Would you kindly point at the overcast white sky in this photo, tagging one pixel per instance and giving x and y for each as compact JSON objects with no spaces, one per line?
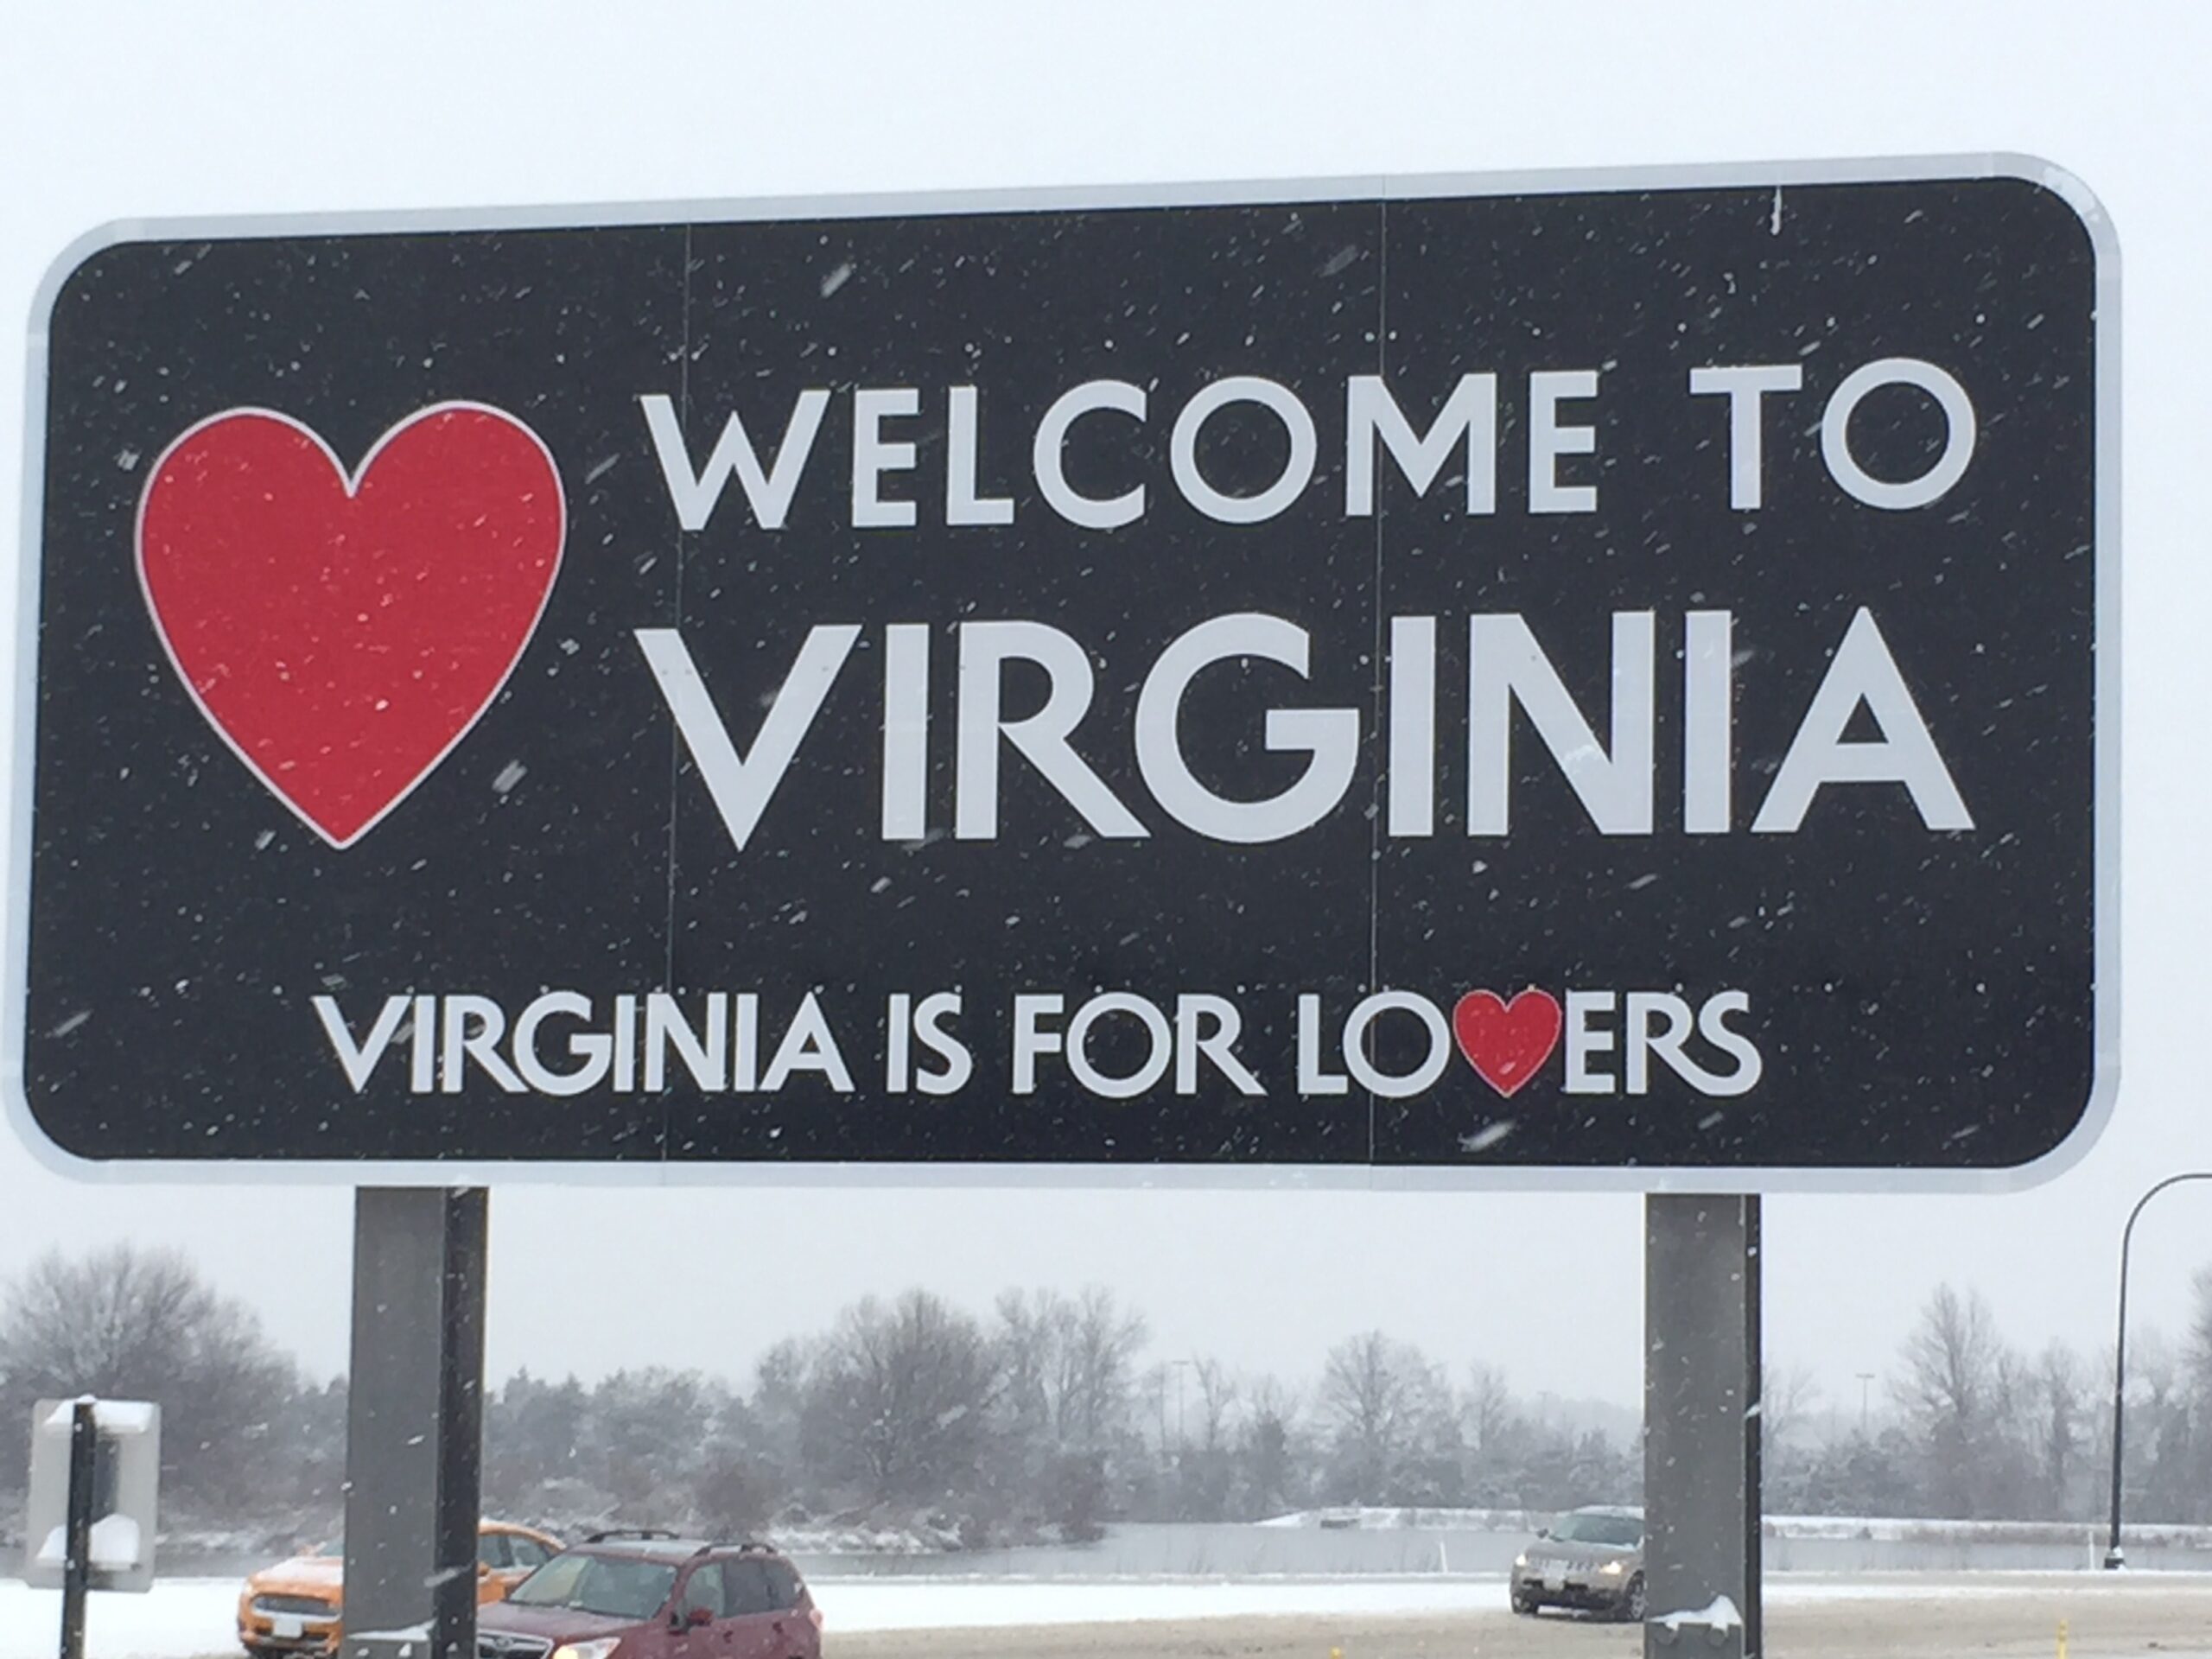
{"x":110,"y":111}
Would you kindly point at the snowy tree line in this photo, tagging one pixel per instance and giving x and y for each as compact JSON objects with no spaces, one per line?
{"x":1051,"y":1415}
{"x":1977,"y":1429}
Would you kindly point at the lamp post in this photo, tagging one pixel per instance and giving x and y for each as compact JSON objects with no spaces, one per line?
{"x":2115,"y":1556}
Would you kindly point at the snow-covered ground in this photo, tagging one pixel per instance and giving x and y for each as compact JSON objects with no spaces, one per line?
{"x":185,"y":1618}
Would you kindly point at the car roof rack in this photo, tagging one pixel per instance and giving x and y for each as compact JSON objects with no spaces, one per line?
{"x":607,"y":1535}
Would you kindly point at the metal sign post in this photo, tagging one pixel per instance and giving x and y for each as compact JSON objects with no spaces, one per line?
{"x":414,"y":1423}
{"x":1754,"y":1429}
{"x":77,"y":1569}
{"x":90,"y":1512}
{"x":1701,"y":1427}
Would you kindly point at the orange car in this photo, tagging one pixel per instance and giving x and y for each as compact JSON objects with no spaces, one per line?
{"x":293,"y":1607}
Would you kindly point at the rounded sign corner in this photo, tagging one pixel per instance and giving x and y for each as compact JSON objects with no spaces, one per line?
{"x":2078,"y":1141}
{"x":33,"y":1135}
{"x":72,"y":262}
{"x":2075,"y":192}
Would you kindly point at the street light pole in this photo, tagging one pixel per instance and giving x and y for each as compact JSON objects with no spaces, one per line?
{"x":2115,"y":1556}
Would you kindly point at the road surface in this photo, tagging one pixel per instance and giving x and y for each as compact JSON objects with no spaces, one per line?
{"x":1989,"y":1617}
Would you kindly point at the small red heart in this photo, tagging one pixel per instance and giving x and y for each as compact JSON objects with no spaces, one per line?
{"x":1507,"y":1043}
{"x":342,"y":634}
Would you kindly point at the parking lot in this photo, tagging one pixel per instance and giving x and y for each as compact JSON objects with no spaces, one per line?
{"x":1918,"y":1615}
{"x":1900,"y":1618}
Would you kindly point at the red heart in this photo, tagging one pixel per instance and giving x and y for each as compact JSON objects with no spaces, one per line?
{"x":342,"y":634}
{"x":1507,"y":1043}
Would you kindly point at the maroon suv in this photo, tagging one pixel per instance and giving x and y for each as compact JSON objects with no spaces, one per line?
{"x":647,"y":1595}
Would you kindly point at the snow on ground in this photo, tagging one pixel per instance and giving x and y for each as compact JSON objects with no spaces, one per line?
{"x":183,"y":1618}
{"x":179,"y":1618}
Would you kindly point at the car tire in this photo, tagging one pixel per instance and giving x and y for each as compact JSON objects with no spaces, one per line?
{"x":1634,"y":1601}
{"x":1527,"y":1606}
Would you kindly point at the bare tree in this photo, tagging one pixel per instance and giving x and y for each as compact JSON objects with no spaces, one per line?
{"x":1488,"y":1410}
{"x":1219,"y":1393}
{"x":137,"y":1324}
{"x":1271,"y":1457}
{"x":2200,"y":1338}
{"x":2062,"y":1387}
{"x":1952,"y":1394}
{"x":1026,"y":1336}
{"x":775,"y":1417}
{"x":1204,"y":1465}
{"x":2159,"y":1440}
{"x":1382,"y":1399}
{"x":1786,"y":1400}
{"x":1098,"y":1343}
{"x":1496,"y":1435}
{"x":898,"y":1397}
{"x":1070,"y":1366}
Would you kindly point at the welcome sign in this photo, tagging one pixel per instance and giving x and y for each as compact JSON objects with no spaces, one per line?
{"x":1592,"y":680}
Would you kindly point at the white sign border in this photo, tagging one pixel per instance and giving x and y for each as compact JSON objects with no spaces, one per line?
{"x":1780,"y":176}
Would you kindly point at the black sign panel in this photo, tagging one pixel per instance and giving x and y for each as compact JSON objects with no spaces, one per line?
{"x":1593,"y":681}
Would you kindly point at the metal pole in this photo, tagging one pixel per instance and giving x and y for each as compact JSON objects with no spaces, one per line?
{"x":414,"y":1425}
{"x":2116,"y":1557}
{"x":1701,"y":1427}
{"x":1754,"y":1433}
{"x":77,"y":1562}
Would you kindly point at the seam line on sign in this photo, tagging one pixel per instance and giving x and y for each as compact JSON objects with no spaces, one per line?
{"x":674,"y":737}
{"x":1377,"y":693}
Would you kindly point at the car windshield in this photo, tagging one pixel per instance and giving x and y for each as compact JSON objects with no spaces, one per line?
{"x":620,"y":1586}
{"x":1622,"y":1531}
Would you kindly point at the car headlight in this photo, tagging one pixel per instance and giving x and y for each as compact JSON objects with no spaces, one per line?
{"x":602,"y":1648}
{"x":1520,"y":1560}
{"x":1614,"y":1569}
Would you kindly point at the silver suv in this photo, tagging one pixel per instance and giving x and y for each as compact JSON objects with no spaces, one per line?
{"x":1591,"y":1558}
